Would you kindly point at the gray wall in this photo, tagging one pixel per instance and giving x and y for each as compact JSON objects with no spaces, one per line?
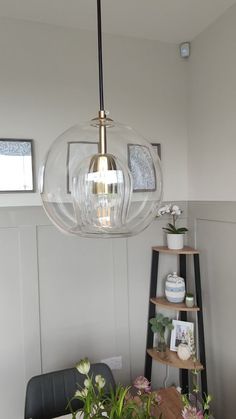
{"x":63,"y":298}
{"x":49,"y":82}
{"x":214,"y":224}
{"x":211,"y":112}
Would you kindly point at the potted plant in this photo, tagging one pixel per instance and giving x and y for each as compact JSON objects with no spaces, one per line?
{"x":175,"y":236}
{"x":159,"y":325}
{"x":189,"y":299}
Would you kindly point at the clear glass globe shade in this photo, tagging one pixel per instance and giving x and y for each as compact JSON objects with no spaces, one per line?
{"x":74,"y":196}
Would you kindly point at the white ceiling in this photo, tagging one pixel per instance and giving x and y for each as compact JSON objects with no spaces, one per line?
{"x":165,"y":20}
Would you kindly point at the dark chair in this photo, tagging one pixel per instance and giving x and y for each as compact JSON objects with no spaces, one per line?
{"x":47,"y":395}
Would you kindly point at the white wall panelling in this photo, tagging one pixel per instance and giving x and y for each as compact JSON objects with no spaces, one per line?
{"x":12,"y":360}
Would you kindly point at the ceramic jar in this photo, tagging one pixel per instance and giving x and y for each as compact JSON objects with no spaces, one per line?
{"x":174,"y":288}
{"x":175,"y":241}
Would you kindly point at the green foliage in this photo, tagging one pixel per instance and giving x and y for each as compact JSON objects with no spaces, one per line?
{"x":196,"y":401}
{"x":173,"y":230}
{"x":160,"y":324}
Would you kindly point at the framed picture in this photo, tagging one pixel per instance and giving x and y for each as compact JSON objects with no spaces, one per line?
{"x":180,"y":334}
{"x":157,"y":148}
{"x":141,"y":167}
{"x":16,"y":165}
{"x":81,"y":150}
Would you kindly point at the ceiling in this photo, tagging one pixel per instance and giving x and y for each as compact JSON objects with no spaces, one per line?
{"x":165,"y":20}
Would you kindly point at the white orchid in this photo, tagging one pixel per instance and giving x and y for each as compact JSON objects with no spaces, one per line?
{"x":170,"y":209}
{"x":164,"y":210}
{"x":175,"y":212}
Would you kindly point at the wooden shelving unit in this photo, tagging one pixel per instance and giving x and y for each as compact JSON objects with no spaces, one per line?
{"x":170,"y":357}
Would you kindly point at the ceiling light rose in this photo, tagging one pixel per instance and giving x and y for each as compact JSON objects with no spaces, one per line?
{"x":99,"y":195}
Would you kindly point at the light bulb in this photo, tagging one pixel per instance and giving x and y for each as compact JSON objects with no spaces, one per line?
{"x":101,"y":193}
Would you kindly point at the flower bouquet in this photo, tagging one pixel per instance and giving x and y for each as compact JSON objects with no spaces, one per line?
{"x":121,"y":402}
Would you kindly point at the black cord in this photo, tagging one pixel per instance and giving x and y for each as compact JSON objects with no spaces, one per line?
{"x":100,"y":65}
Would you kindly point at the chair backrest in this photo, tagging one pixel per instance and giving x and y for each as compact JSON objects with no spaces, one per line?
{"x":47,"y":395}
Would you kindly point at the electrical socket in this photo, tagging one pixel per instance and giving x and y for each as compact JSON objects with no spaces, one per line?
{"x":115,"y":362}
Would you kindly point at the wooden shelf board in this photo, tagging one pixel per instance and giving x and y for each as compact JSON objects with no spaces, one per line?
{"x":162,"y":301}
{"x":171,"y":358}
{"x":185,"y":251}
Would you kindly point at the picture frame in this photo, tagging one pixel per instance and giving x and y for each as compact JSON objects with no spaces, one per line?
{"x":180,"y":333}
{"x":16,"y":165}
{"x":82,"y":149}
{"x":141,"y":166}
{"x":157,"y":148}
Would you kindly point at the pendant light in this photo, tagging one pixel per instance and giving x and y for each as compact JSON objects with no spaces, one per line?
{"x":101,"y":179}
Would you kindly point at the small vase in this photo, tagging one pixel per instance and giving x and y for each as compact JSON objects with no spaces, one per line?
{"x":161,"y":345}
{"x":189,"y":301}
{"x":175,"y":241}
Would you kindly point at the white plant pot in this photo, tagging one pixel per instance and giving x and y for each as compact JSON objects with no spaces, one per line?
{"x":175,"y":241}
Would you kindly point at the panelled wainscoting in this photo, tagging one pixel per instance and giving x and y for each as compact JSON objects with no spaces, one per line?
{"x":214,"y":227}
{"x":63,"y":298}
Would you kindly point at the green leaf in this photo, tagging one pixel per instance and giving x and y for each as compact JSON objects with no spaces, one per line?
{"x":181,"y":230}
{"x":168,"y":230}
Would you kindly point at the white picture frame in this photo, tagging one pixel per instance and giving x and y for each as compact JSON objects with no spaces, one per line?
{"x":180,"y":333}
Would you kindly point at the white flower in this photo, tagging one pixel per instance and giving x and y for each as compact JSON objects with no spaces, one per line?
{"x":175,"y":210}
{"x":81,"y":393}
{"x":86,"y":383}
{"x":164,"y":210}
{"x":83,"y":366}
{"x":100,"y":381}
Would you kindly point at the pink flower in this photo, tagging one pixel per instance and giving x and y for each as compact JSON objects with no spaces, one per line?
{"x":142,"y":384}
{"x":191,"y":412}
{"x":158,"y":399}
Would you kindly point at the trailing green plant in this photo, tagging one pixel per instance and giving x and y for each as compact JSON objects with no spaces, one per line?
{"x":175,"y":212}
{"x":195,"y":407}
